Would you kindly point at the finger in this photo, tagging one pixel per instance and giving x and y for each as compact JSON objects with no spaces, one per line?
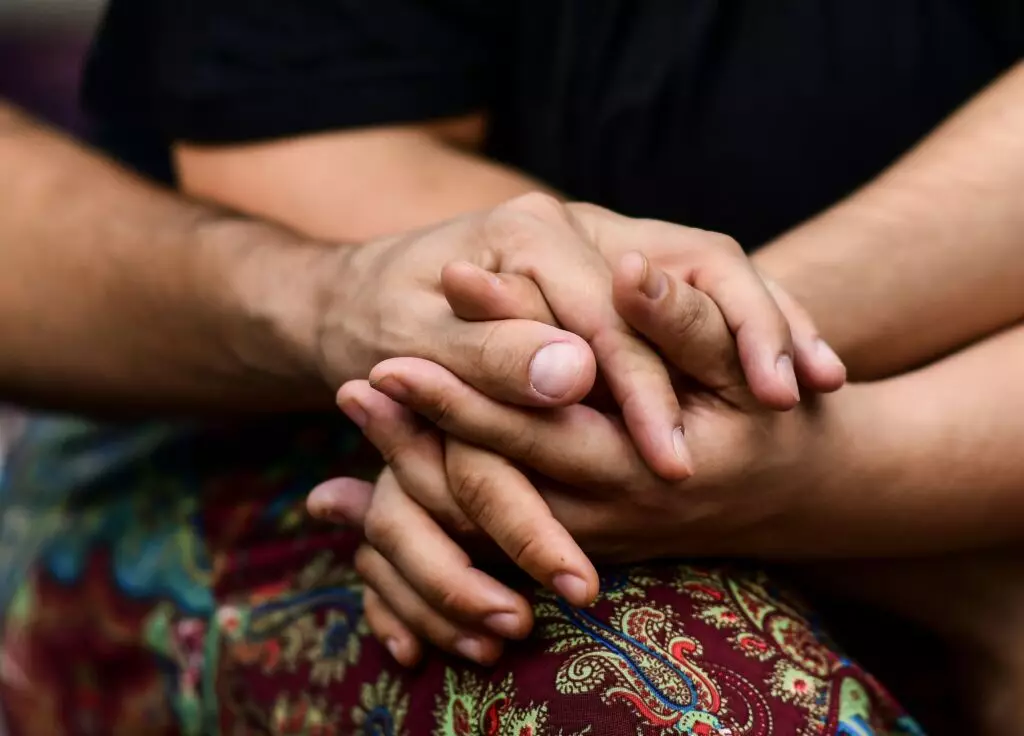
{"x":389,"y":630}
{"x":437,"y":568}
{"x":409,"y":607}
{"x":519,"y":361}
{"x":717,"y":266}
{"x":534,"y":236}
{"x":341,"y":501}
{"x":684,"y":323}
{"x":817,"y":365}
{"x":414,"y":453}
{"x":601,"y":455}
{"x":476,"y":294}
{"x":502,"y":502}
{"x":762,"y":333}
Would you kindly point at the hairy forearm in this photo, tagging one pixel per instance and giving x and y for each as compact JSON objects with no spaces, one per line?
{"x":927,"y":258}
{"x":929,"y":461}
{"x":117,"y":296}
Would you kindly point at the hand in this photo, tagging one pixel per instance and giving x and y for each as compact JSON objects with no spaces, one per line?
{"x":415,"y":456}
{"x":393,"y":305}
{"x":420,"y":582}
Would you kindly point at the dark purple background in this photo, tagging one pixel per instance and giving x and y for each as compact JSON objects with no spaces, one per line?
{"x":42,"y":43}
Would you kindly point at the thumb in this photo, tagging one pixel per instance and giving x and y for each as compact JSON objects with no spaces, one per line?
{"x":340,"y":500}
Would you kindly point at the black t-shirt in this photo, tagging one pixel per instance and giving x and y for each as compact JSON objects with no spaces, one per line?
{"x":744,"y":116}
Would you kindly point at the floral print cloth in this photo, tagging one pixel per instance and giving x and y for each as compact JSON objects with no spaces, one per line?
{"x":163,"y":579}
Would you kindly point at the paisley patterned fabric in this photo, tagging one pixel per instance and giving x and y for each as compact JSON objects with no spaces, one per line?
{"x":163,"y":580}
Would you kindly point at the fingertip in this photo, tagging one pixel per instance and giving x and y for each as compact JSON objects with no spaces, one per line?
{"x":579,"y":588}
{"x":769,"y":369}
{"x":510,"y":625}
{"x":403,"y":646}
{"x":773,"y":393}
{"x":823,"y":380}
{"x":660,"y":440}
{"x":351,"y":389}
{"x":484,"y":650}
{"x":820,"y":368}
{"x":340,"y":500}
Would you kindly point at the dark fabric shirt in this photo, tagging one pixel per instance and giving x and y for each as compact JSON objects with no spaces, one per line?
{"x":744,"y":116}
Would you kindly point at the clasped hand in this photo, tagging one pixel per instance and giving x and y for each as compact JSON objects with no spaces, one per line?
{"x":469,"y":472}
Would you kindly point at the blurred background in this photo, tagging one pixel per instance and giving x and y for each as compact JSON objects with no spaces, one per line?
{"x":42,"y":44}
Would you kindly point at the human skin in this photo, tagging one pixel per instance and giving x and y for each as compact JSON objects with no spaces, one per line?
{"x":913,"y":485}
{"x":118,"y":296}
{"x":868,"y":271}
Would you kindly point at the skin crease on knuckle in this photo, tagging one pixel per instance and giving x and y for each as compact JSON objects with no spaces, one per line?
{"x":439,"y":406}
{"x":525,"y":230}
{"x":494,"y":357}
{"x":473,"y":492}
{"x":525,"y":552}
{"x":688,"y":316}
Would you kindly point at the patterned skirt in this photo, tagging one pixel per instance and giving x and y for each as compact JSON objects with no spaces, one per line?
{"x":165,"y":580}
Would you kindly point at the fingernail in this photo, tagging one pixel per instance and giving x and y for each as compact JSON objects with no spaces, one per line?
{"x":391,"y":387}
{"x":503,"y":624}
{"x":555,"y":369}
{"x":654,"y":284}
{"x":681,"y":448}
{"x":572,"y":588}
{"x":827,"y":354}
{"x":393,"y":647}
{"x":784,"y":367}
{"x":470,"y":648}
{"x":355,"y":411}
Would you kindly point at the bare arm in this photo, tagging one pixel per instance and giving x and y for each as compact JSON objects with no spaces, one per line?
{"x":115,"y":294}
{"x":927,"y":258}
{"x":929,"y":460}
{"x":354,"y":185}
{"x":923,"y":260}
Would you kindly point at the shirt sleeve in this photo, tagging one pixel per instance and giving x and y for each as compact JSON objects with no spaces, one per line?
{"x":246,"y":70}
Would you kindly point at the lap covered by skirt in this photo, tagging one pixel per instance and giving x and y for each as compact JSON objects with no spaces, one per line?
{"x":162,"y":580}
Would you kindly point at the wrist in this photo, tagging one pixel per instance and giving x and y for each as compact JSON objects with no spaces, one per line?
{"x":270,"y":287}
{"x":829,"y":481}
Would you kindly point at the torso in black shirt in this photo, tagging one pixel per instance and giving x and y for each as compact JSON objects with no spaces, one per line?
{"x":744,"y":116}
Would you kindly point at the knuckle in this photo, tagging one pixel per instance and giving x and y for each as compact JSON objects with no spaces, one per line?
{"x":728,"y":244}
{"x":526,"y":546}
{"x":380,"y":528}
{"x":538,"y":204}
{"x":393,"y":453}
{"x":524,"y":442}
{"x":457,"y":523}
{"x":473,"y":491}
{"x":450,"y":599}
{"x":439,"y":405}
{"x":495,"y":358}
{"x":508,"y":228}
{"x":690,"y":315}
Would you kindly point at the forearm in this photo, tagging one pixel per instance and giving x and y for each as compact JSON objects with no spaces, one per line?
{"x":115,"y":295}
{"x":929,"y":461}
{"x":927,"y":258}
{"x":355,"y":185}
